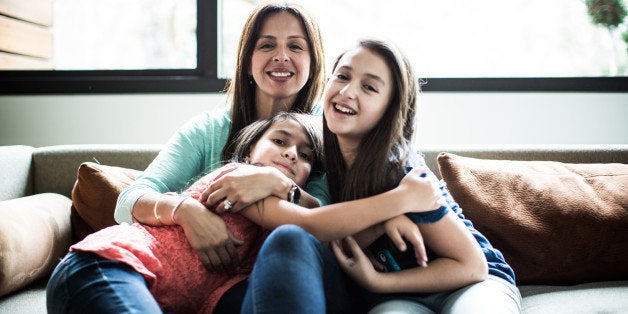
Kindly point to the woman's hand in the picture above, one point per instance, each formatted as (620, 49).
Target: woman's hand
(402, 227)
(356, 264)
(419, 191)
(209, 237)
(244, 185)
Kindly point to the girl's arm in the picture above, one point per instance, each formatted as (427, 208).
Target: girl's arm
(461, 262)
(335, 221)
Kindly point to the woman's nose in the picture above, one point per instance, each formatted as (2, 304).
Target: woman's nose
(281, 56)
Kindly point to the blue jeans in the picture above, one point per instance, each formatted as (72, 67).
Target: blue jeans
(296, 273)
(87, 283)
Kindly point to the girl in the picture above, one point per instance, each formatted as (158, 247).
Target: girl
(118, 268)
(369, 108)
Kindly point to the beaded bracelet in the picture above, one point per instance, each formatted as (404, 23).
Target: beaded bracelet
(176, 207)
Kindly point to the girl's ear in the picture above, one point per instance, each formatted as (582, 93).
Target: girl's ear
(246, 160)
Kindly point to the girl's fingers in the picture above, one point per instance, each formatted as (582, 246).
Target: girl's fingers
(397, 239)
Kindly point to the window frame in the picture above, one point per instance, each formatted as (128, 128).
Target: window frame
(204, 79)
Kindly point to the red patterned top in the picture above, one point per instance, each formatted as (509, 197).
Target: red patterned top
(172, 269)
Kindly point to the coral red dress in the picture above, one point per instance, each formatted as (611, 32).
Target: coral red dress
(172, 269)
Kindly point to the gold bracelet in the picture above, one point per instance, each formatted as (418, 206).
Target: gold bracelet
(176, 207)
(155, 210)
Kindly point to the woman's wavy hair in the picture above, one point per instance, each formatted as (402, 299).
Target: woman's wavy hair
(384, 151)
(248, 136)
(242, 94)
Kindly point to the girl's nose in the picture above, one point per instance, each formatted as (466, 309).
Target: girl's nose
(290, 153)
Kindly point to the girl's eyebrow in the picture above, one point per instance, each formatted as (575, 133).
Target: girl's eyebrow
(370, 75)
(288, 134)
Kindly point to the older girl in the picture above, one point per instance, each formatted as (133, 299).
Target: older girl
(369, 113)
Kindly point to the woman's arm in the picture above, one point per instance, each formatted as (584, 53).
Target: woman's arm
(461, 262)
(335, 221)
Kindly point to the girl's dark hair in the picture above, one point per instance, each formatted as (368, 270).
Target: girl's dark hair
(242, 93)
(384, 151)
(253, 132)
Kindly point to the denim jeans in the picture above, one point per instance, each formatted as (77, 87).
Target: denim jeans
(87, 283)
(296, 273)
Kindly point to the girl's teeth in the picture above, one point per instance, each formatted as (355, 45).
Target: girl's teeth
(344, 110)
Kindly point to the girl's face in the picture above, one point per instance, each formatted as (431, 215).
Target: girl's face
(285, 146)
(357, 95)
(281, 60)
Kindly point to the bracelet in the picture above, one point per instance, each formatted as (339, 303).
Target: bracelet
(176, 207)
(155, 209)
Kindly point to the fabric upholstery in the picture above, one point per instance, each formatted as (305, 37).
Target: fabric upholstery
(556, 223)
(15, 171)
(34, 235)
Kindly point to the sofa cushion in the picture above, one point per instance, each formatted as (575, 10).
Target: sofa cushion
(556, 223)
(95, 194)
(35, 233)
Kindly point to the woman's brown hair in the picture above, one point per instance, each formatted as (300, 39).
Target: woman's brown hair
(384, 151)
(241, 92)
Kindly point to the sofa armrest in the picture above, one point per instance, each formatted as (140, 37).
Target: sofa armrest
(15, 171)
(35, 232)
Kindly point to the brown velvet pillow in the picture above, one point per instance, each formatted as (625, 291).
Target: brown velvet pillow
(555, 223)
(95, 194)
(34, 235)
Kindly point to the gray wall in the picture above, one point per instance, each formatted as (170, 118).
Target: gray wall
(444, 118)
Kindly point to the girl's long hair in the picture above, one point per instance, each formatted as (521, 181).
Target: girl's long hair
(384, 150)
(241, 92)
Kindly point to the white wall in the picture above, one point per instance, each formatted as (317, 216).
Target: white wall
(445, 118)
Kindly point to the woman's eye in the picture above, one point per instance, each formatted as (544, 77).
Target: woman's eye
(296, 47)
(265, 46)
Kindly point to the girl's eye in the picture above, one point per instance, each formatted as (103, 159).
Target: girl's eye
(370, 88)
(305, 156)
(279, 141)
(341, 76)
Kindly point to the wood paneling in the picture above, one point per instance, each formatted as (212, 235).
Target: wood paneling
(24, 38)
(16, 62)
(36, 11)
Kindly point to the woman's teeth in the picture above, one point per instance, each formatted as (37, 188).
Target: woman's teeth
(280, 74)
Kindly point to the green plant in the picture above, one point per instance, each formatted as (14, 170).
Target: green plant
(609, 14)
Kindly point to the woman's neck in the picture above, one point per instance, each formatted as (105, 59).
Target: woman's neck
(268, 106)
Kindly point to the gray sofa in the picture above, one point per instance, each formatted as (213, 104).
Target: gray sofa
(36, 179)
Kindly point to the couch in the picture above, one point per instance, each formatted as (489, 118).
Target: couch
(558, 213)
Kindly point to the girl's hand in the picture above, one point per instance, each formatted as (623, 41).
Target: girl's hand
(419, 191)
(356, 264)
(402, 227)
(209, 237)
(244, 185)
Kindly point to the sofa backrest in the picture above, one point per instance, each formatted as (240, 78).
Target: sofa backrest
(15, 171)
(55, 167)
(577, 154)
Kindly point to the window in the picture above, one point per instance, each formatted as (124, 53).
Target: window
(455, 45)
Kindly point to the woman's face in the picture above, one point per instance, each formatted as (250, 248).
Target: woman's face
(285, 146)
(281, 60)
(357, 95)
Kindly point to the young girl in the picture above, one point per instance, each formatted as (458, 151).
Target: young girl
(123, 267)
(369, 108)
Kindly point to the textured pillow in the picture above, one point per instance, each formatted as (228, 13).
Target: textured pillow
(555, 223)
(35, 233)
(94, 196)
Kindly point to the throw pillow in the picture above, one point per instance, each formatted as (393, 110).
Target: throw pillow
(555, 223)
(94, 196)
(34, 235)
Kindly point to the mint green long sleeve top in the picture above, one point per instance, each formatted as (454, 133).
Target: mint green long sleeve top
(193, 151)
